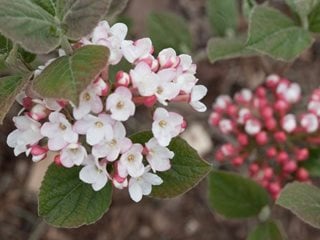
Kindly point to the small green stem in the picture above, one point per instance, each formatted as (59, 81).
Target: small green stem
(66, 46)
(305, 22)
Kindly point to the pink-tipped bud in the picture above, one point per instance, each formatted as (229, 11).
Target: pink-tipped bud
(252, 126)
(101, 87)
(302, 174)
(254, 169)
(57, 160)
(290, 167)
(260, 92)
(243, 139)
(38, 112)
(237, 161)
(271, 152)
(214, 118)
(226, 126)
(267, 173)
(270, 123)
(310, 122)
(282, 157)
(266, 112)
(228, 149)
(38, 153)
(272, 81)
(168, 59)
(302, 154)
(289, 123)
(27, 102)
(243, 97)
(150, 101)
(184, 125)
(262, 138)
(280, 136)
(122, 79)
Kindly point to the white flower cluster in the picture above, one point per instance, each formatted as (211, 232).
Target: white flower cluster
(93, 134)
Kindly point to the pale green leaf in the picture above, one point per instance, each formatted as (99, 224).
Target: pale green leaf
(187, 168)
(234, 196)
(67, 76)
(276, 35)
(303, 200)
(9, 87)
(28, 24)
(116, 7)
(48, 5)
(66, 201)
(314, 19)
(81, 16)
(266, 231)
(302, 7)
(223, 16)
(226, 48)
(169, 30)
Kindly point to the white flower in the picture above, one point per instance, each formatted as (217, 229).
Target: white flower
(73, 154)
(131, 162)
(143, 185)
(89, 102)
(252, 126)
(59, 131)
(290, 92)
(26, 134)
(158, 156)
(94, 173)
(120, 104)
(96, 129)
(166, 125)
(222, 102)
(144, 79)
(186, 64)
(168, 58)
(225, 125)
(165, 88)
(198, 92)
(109, 37)
(289, 123)
(110, 149)
(310, 122)
(314, 107)
(133, 51)
(186, 82)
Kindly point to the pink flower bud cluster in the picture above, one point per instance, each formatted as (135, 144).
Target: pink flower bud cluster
(92, 133)
(268, 132)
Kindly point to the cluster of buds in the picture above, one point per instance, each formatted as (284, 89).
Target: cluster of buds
(93, 135)
(269, 132)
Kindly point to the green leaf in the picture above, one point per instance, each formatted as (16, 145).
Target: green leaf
(169, 30)
(223, 16)
(81, 16)
(48, 5)
(312, 164)
(247, 6)
(302, 7)
(303, 200)
(66, 201)
(266, 231)
(226, 48)
(67, 76)
(28, 24)
(234, 196)
(9, 87)
(314, 19)
(187, 168)
(276, 35)
(116, 7)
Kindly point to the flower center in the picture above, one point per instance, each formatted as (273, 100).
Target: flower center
(62, 126)
(159, 90)
(162, 123)
(120, 105)
(98, 124)
(130, 157)
(113, 143)
(86, 97)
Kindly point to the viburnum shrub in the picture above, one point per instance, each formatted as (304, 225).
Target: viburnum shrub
(75, 108)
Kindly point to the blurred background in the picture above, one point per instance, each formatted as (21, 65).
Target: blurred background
(186, 217)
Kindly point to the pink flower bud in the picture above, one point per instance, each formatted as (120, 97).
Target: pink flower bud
(254, 169)
(272, 81)
(266, 112)
(243, 97)
(252, 126)
(38, 112)
(232, 110)
(270, 123)
(261, 138)
(290, 167)
(100, 87)
(268, 173)
(310, 122)
(260, 92)
(228, 149)
(184, 125)
(150, 101)
(282, 157)
(302, 174)
(38, 153)
(274, 188)
(238, 161)
(280, 136)
(122, 79)
(27, 102)
(289, 123)
(57, 160)
(271, 152)
(302, 154)
(214, 118)
(243, 139)
(281, 106)
(219, 156)
(225, 126)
